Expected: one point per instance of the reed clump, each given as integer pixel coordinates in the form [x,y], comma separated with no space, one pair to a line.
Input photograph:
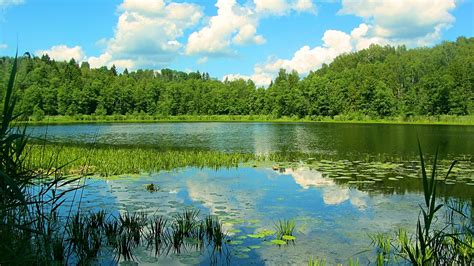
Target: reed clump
[109,161]
[436,241]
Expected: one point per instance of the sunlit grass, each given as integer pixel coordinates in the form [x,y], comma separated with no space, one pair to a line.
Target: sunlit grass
[345,118]
[108,161]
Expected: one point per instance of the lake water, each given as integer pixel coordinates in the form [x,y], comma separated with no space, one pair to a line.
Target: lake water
[336,203]
[341,140]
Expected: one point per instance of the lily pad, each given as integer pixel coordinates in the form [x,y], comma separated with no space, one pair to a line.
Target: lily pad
[278,242]
[236,242]
[288,238]
[259,235]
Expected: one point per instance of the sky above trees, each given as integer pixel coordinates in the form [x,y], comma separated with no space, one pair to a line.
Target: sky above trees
[227,38]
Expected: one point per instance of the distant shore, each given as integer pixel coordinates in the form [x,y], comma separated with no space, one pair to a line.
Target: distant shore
[417,120]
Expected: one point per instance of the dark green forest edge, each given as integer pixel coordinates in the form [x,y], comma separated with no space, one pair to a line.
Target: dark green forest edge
[378,84]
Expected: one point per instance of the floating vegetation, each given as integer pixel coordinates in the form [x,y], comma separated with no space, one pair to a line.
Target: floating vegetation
[262,234]
[288,238]
[152,188]
[435,242]
[278,242]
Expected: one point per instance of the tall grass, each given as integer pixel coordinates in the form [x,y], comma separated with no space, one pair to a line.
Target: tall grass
[344,118]
[29,222]
[434,242]
[110,161]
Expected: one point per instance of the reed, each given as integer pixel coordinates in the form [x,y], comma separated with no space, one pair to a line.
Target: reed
[109,161]
[434,242]
[284,228]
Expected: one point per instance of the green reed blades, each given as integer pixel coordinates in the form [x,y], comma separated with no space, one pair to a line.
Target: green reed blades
[157,233]
[284,228]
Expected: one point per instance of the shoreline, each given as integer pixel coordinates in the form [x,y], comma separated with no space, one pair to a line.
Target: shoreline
[91,119]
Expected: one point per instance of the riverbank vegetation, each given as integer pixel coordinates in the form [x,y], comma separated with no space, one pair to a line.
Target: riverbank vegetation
[145,118]
[393,83]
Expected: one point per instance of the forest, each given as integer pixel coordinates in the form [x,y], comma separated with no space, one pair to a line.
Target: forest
[379,82]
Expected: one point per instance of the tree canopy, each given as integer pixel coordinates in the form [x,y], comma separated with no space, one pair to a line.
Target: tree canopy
[377,81]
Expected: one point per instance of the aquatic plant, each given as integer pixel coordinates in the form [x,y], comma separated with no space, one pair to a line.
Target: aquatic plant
[110,160]
[316,261]
[157,233]
[29,221]
[285,228]
[152,188]
[432,243]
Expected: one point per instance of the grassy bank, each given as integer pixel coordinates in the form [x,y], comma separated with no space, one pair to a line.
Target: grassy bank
[355,118]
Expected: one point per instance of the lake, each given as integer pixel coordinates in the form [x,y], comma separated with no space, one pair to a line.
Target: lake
[342,140]
[336,202]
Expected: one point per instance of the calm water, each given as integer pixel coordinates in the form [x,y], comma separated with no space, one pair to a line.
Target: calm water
[333,221]
[341,140]
[335,203]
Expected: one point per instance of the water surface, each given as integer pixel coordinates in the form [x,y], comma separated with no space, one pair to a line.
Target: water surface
[340,140]
[333,220]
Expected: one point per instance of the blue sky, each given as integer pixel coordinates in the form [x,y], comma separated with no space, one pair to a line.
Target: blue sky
[227,38]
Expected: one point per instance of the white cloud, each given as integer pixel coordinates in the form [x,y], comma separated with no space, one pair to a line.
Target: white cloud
[307,59]
[147,33]
[259,78]
[232,24]
[63,53]
[3,46]
[305,5]
[281,7]
[236,24]
[6,3]
[304,60]
[394,22]
[403,21]
[271,6]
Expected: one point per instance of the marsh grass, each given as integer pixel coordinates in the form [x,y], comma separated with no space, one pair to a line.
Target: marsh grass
[30,229]
[109,161]
[348,118]
[37,229]
[434,242]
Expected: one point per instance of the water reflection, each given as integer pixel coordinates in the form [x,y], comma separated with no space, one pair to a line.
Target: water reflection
[333,219]
[342,140]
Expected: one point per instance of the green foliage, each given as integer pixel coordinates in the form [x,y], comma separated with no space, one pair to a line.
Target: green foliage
[285,228]
[432,243]
[374,82]
[109,161]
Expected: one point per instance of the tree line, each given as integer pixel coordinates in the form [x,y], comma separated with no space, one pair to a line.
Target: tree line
[380,81]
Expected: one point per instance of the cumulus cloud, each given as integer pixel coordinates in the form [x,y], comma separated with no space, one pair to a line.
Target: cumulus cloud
[413,23]
[63,53]
[232,24]
[236,24]
[259,77]
[147,33]
[395,22]
[307,58]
